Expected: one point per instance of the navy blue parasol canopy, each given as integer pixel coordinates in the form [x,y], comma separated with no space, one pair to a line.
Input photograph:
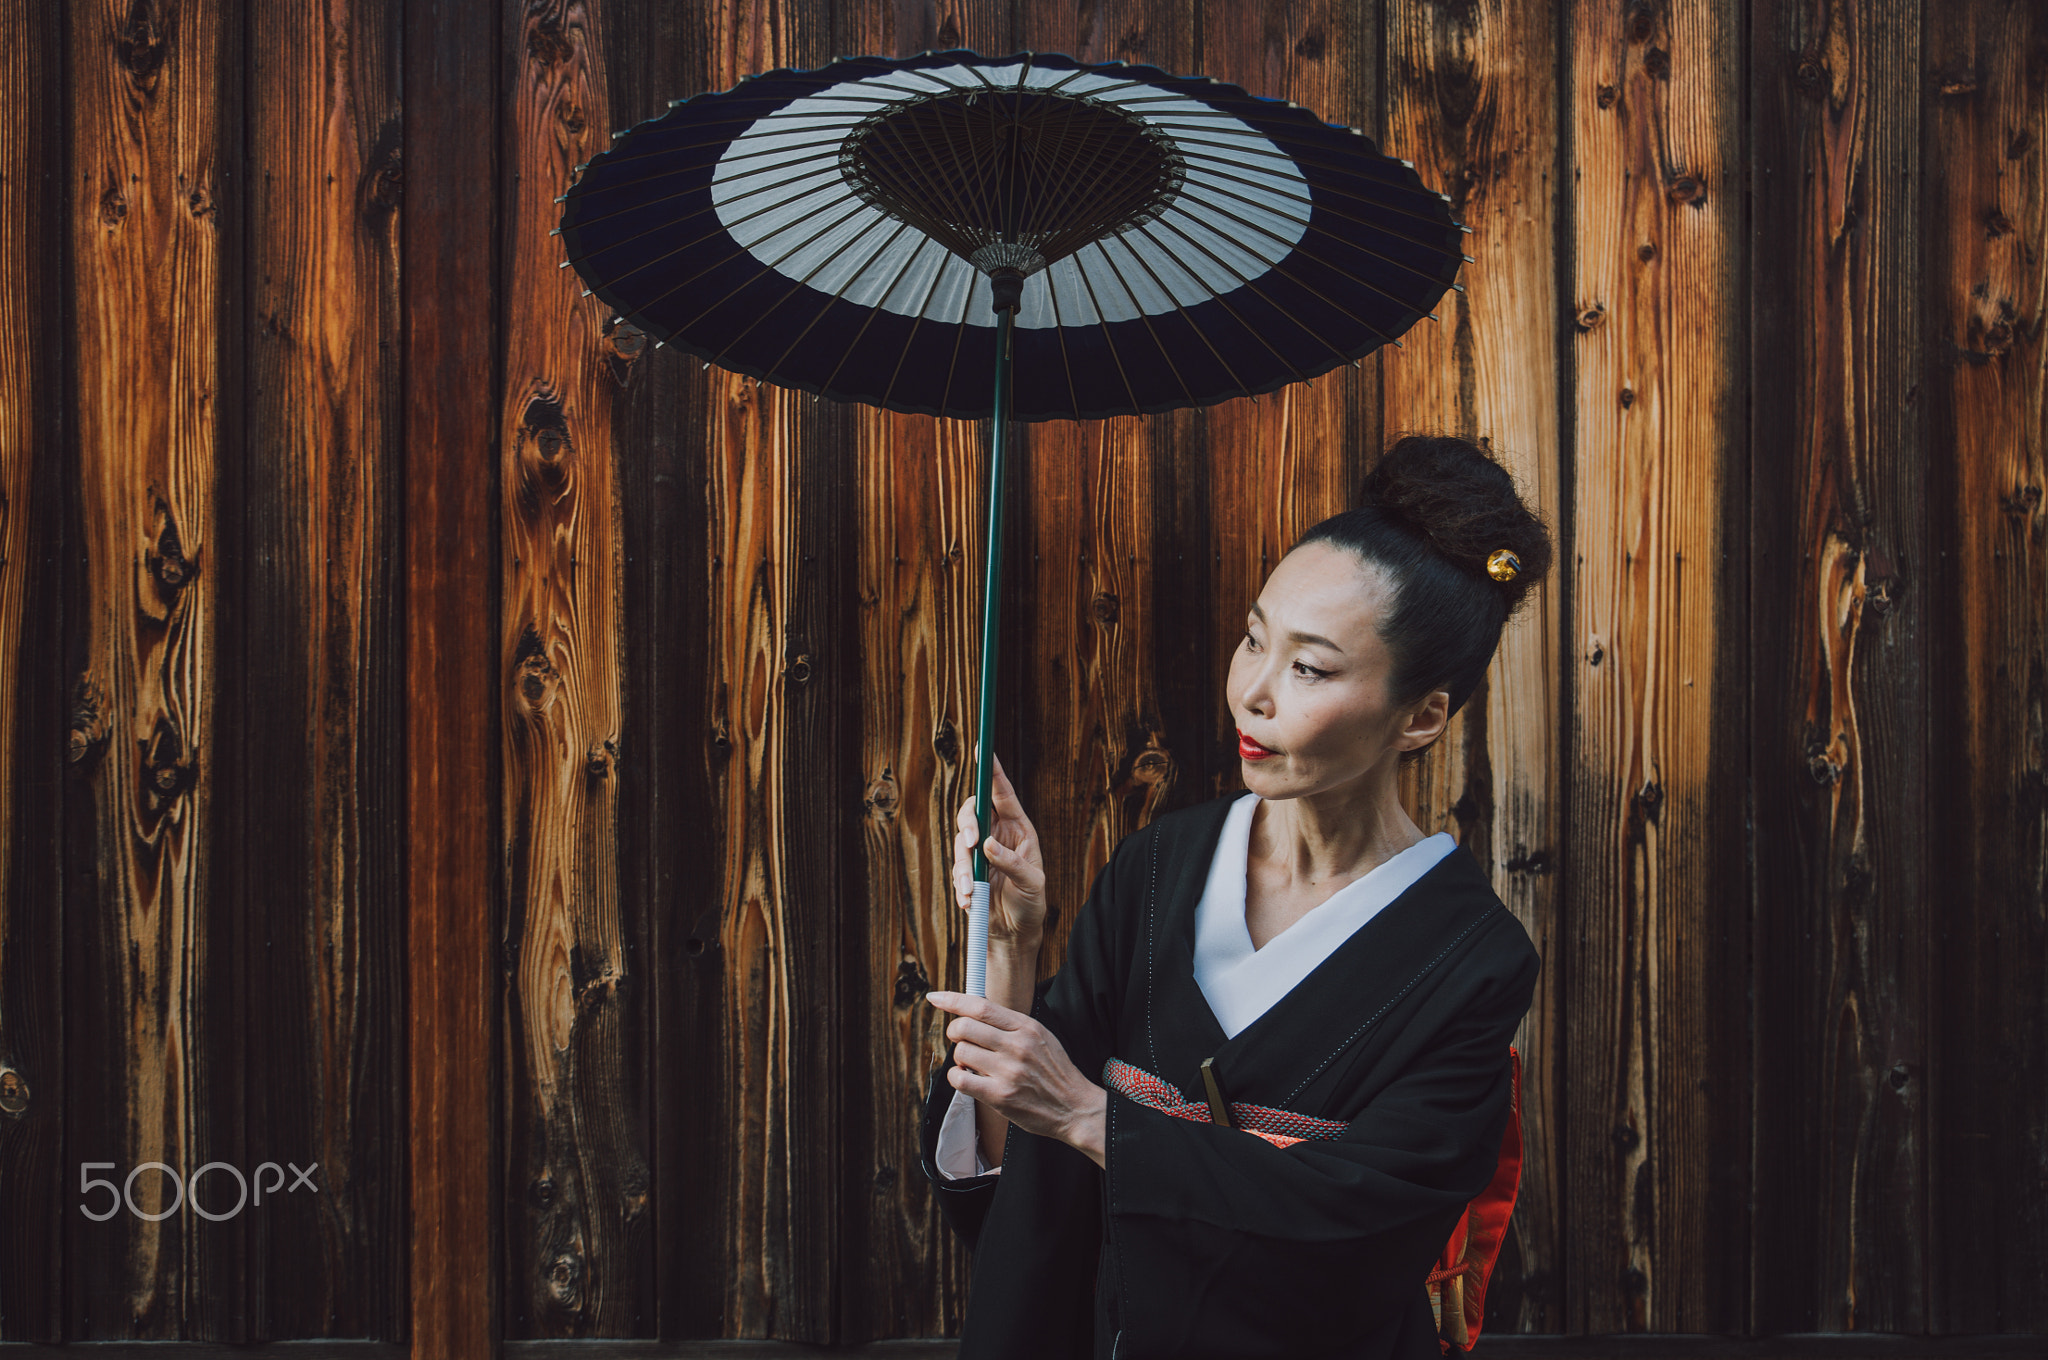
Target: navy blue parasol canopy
[1180,242]
[1026,237]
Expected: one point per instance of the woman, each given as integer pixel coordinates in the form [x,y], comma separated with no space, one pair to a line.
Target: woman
[1348,978]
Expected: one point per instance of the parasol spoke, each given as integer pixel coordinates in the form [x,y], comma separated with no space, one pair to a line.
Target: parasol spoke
[853,344]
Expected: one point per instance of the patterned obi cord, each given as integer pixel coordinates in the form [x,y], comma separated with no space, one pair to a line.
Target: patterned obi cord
[1278,1127]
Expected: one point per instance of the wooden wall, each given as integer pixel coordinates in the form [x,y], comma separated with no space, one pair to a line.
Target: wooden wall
[445,739]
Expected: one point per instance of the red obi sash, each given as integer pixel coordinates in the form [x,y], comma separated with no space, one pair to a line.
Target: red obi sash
[1457,1284]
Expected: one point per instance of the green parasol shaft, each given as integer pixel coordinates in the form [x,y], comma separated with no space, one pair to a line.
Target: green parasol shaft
[991,598]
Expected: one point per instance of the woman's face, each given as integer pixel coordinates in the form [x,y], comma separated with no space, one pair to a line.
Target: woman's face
[1308,682]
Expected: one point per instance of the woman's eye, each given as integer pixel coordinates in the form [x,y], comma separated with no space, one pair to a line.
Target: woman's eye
[1250,641]
[1311,671]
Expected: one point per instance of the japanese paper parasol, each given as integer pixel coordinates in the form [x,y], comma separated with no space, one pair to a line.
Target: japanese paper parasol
[1020,238]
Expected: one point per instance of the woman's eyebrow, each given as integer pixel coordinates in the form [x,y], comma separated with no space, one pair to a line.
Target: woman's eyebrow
[1298,636]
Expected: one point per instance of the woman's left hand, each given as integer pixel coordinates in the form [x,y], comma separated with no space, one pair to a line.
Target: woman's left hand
[1022,1070]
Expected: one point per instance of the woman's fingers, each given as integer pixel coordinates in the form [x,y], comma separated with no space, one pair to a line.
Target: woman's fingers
[963,1029]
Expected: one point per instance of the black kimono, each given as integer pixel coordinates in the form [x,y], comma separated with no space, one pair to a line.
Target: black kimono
[1198,1240]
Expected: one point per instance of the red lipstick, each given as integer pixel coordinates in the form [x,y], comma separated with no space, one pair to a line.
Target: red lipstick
[1251,750]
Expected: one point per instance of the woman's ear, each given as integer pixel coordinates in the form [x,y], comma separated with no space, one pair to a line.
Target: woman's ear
[1426,721]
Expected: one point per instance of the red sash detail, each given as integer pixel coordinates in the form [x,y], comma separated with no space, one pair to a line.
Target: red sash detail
[1458,1282]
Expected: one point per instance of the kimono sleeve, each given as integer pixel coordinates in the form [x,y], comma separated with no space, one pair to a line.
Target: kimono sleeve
[1223,1243]
[1078,1004]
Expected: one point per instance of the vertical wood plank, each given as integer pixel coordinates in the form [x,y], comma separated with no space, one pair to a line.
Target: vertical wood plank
[576,1168]
[449,309]
[920,522]
[1841,672]
[1469,101]
[33,431]
[1985,300]
[920,504]
[318,875]
[655,53]
[785,788]
[1655,1079]
[157,1066]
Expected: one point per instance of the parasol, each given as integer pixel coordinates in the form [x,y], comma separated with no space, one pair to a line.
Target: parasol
[1020,238]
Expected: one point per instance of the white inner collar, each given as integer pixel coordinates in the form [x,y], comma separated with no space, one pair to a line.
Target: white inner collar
[1242,983]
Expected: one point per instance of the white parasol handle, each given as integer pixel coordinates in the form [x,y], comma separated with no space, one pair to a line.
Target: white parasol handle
[977,942]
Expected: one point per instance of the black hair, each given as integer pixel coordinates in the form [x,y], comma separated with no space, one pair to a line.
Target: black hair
[1431,512]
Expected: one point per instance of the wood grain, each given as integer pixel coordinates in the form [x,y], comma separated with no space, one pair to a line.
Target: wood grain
[453,740]
[667,838]
[156,1074]
[317,666]
[1984,295]
[576,1158]
[1840,672]
[33,431]
[1654,1117]
[1465,104]
[784,791]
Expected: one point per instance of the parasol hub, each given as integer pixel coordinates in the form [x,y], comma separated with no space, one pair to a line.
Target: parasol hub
[1012,179]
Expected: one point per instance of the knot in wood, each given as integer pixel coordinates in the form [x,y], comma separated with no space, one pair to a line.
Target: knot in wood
[911,983]
[1590,317]
[165,773]
[113,204]
[89,724]
[946,742]
[1658,63]
[1642,21]
[1688,189]
[536,674]
[387,184]
[881,799]
[13,1092]
[1152,767]
[546,43]
[598,761]
[167,561]
[1607,96]
[565,1279]
[1103,608]
[798,670]
[141,46]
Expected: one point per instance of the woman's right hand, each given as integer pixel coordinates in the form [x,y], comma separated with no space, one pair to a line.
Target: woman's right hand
[1016,874]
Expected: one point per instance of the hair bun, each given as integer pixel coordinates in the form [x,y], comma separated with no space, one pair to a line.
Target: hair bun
[1451,493]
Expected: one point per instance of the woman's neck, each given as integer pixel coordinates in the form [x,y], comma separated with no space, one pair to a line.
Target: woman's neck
[1337,834]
